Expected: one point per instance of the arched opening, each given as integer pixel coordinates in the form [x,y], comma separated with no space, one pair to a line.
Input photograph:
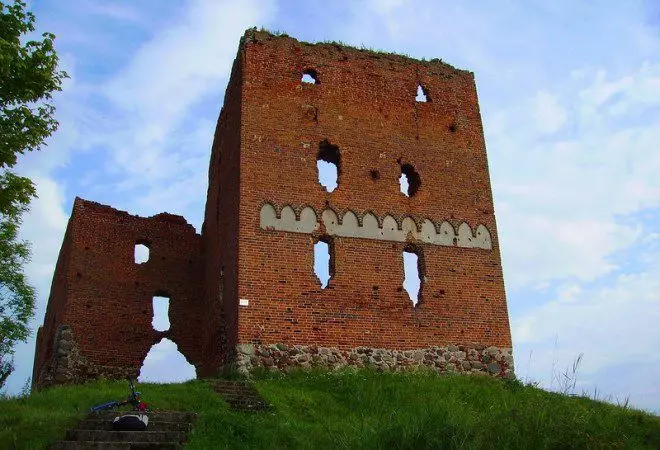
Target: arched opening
[328,165]
[141,252]
[422,94]
[323,263]
[166,364]
[413,273]
[409,181]
[310,76]
[161,309]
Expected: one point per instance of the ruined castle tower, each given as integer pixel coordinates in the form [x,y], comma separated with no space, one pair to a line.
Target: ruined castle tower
[244,292]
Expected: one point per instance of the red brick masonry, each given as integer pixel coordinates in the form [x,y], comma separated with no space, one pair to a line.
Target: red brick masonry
[245,289]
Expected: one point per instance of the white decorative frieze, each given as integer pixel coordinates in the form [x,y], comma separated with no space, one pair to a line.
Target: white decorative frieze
[427,231]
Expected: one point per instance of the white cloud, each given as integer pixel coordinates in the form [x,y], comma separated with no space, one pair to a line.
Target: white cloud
[562,198]
[621,96]
[538,249]
[176,68]
[651,237]
[44,227]
[549,114]
[542,287]
[119,12]
[568,293]
[155,146]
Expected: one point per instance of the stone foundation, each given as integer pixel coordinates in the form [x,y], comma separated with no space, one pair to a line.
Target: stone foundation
[464,359]
[68,366]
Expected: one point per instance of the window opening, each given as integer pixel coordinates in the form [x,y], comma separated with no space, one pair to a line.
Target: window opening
[166,364]
[422,94]
[141,253]
[161,309]
[323,261]
[411,270]
[409,181]
[310,76]
[327,163]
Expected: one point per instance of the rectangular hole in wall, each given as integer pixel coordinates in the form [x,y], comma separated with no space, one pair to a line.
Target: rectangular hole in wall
[411,279]
[141,253]
[161,318]
[322,262]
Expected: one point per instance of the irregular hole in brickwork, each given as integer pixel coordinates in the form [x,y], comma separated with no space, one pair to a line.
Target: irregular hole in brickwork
[141,253]
[328,165]
[422,94]
[375,175]
[310,76]
[323,263]
[166,364]
[161,309]
[409,181]
[412,273]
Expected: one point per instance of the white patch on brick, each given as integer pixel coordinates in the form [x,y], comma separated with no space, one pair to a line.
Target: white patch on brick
[428,232]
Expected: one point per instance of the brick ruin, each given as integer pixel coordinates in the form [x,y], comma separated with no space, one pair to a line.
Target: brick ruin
[243,293]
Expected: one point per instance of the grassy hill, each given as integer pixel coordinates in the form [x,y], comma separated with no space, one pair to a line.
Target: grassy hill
[354,409]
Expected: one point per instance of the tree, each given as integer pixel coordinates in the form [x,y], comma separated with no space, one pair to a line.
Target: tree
[29,75]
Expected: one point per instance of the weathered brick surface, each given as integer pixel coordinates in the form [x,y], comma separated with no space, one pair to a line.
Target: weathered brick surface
[365,105]
[104,299]
[220,229]
[265,150]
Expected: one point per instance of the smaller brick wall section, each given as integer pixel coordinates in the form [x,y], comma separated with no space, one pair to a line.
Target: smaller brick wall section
[465,359]
[99,318]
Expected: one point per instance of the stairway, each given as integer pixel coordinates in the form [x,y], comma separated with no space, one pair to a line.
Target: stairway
[241,396]
[166,430]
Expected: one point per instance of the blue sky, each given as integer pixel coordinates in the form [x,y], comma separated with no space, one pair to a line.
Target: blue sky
[570,98]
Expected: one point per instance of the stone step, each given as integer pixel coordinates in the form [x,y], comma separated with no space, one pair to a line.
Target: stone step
[240,395]
[125,436]
[96,445]
[231,383]
[235,393]
[232,386]
[158,416]
[154,425]
[166,430]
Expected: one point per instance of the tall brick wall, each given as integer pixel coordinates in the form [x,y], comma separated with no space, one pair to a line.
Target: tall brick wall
[365,104]
[46,334]
[99,317]
[220,229]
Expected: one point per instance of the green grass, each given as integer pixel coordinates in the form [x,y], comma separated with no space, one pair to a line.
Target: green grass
[356,409]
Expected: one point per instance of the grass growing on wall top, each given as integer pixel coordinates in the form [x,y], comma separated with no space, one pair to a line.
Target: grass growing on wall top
[355,409]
